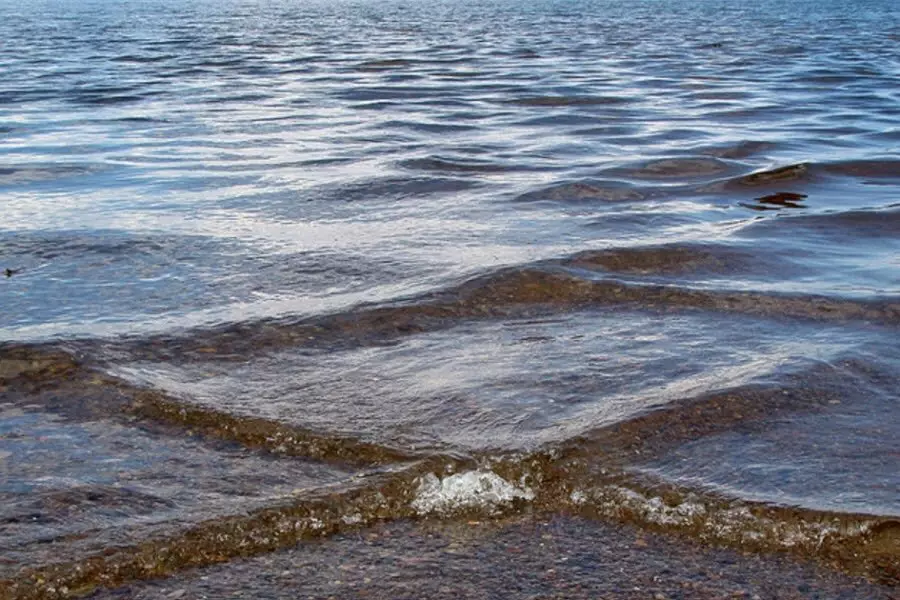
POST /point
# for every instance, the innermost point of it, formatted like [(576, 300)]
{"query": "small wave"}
[(219, 539), (272, 436), (441, 164), (865, 169), (382, 93), (26, 174), (373, 105), (556, 120), (380, 189), (536, 287), (392, 188), (871, 171), (742, 150), (859, 544), (676, 168), (220, 62), (851, 226), (135, 119), (511, 292), (24, 96), (76, 245), (102, 96), (387, 64), (88, 391), (240, 97), (143, 58), (656, 433), (584, 191), (97, 100), (558, 101), (77, 389), (423, 127), (674, 259), (183, 73), (604, 131)]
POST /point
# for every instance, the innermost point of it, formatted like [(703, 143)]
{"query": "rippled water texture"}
[(277, 270)]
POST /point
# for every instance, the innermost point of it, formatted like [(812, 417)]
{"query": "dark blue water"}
[(470, 230)]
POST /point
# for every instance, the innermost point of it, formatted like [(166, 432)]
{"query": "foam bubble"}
[(482, 490)]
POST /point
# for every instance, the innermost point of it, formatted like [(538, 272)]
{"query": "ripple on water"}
[(608, 257), (585, 192), (680, 169)]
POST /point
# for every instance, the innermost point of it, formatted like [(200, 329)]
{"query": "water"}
[(285, 269)]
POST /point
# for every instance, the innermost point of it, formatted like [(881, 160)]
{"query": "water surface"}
[(327, 264)]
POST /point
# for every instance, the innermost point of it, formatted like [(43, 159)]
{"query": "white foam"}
[(734, 522), (484, 490), (352, 519)]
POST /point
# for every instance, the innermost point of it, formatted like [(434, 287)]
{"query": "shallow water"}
[(635, 259), (544, 556)]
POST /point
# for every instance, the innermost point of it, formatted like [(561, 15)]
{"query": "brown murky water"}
[(392, 294)]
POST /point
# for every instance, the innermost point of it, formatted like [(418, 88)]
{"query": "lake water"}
[(281, 269)]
